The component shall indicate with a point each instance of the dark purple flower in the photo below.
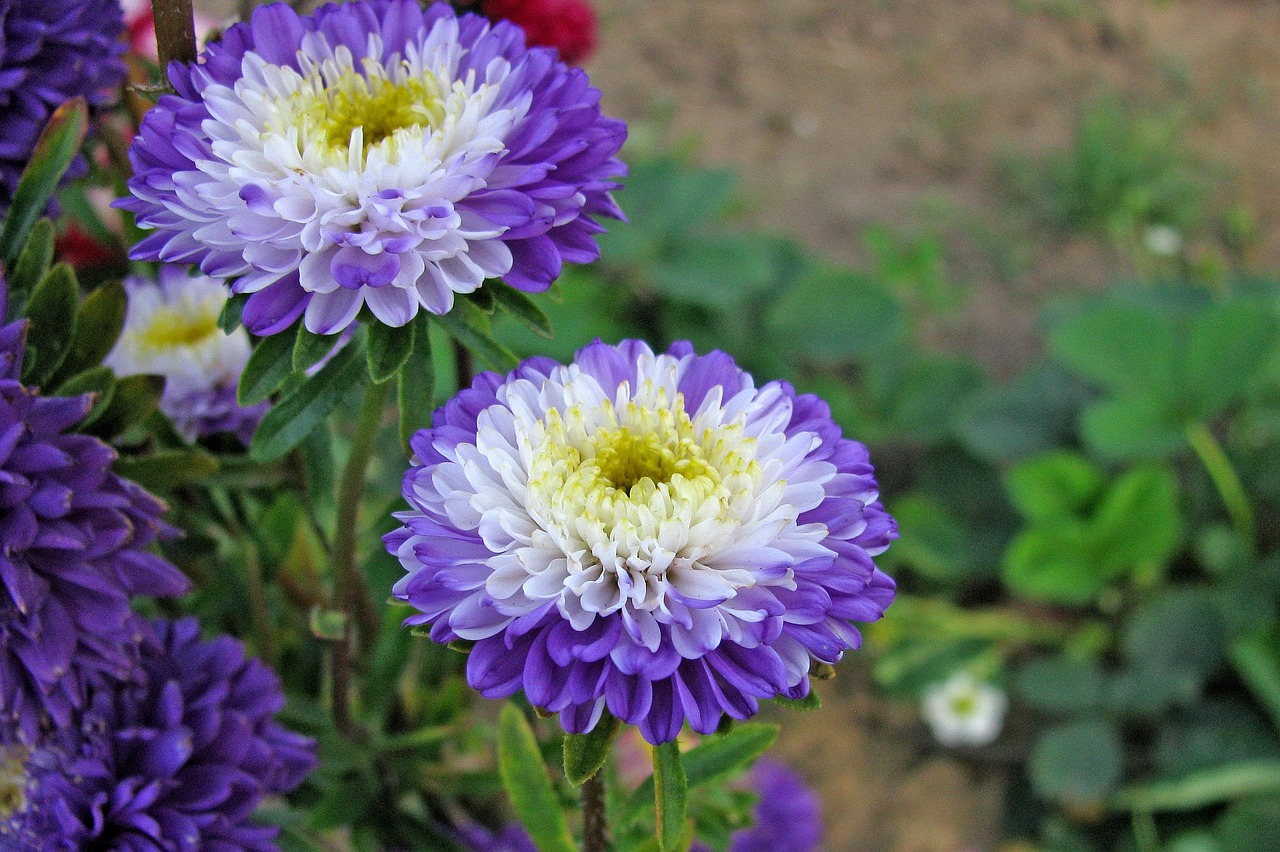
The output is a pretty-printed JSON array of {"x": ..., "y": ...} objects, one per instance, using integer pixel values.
[
  {"x": 51, "y": 51},
  {"x": 373, "y": 154},
  {"x": 510, "y": 838},
  {"x": 176, "y": 759},
  {"x": 74, "y": 547},
  {"x": 788, "y": 817},
  {"x": 648, "y": 533}
]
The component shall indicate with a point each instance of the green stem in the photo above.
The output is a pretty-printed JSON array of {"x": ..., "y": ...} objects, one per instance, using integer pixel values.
[
  {"x": 175, "y": 31},
  {"x": 258, "y": 606},
  {"x": 353, "y": 596},
  {"x": 595, "y": 825},
  {"x": 1224, "y": 479}
]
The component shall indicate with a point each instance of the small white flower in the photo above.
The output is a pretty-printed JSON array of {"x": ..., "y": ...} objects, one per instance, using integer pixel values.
[
  {"x": 962, "y": 711},
  {"x": 1162, "y": 240}
]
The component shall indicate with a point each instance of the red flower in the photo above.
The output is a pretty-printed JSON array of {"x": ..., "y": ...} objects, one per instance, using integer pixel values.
[{"x": 567, "y": 25}]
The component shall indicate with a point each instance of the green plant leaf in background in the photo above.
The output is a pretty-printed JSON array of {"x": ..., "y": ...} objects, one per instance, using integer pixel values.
[
  {"x": 416, "y": 386},
  {"x": 1078, "y": 762},
  {"x": 292, "y": 418},
  {"x": 32, "y": 263},
  {"x": 270, "y": 363},
  {"x": 858, "y": 318},
  {"x": 527, "y": 783},
  {"x": 671, "y": 788},
  {"x": 52, "y": 311},
  {"x": 1055, "y": 485},
  {"x": 97, "y": 326},
  {"x": 389, "y": 349}
]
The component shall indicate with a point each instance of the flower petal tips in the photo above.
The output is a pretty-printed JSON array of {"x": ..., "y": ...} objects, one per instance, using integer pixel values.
[
  {"x": 374, "y": 155},
  {"x": 645, "y": 533}
]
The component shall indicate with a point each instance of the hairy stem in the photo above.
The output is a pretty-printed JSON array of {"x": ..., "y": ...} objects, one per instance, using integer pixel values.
[
  {"x": 1225, "y": 479},
  {"x": 595, "y": 825},
  {"x": 175, "y": 31},
  {"x": 261, "y": 616}
]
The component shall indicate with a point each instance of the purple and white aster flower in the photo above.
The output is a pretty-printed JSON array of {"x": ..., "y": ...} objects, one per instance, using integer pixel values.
[
  {"x": 51, "y": 51},
  {"x": 171, "y": 330},
  {"x": 373, "y": 154},
  {"x": 648, "y": 533},
  {"x": 74, "y": 547},
  {"x": 177, "y": 758}
]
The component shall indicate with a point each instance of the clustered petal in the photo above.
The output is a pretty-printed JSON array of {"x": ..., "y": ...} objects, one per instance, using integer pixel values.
[
  {"x": 171, "y": 330},
  {"x": 50, "y": 52},
  {"x": 373, "y": 155},
  {"x": 176, "y": 758},
  {"x": 74, "y": 548},
  {"x": 647, "y": 533}
]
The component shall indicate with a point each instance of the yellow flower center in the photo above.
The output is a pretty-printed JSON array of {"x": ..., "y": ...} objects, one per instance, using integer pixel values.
[
  {"x": 964, "y": 705},
  {"x": 379, "y": 107},
  {"x": 172, "y": 329}
]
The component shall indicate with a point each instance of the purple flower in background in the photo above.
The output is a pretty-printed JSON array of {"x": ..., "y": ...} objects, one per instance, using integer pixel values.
[
  {"x": 171, "y": 330},
  {"x": 51, "y": 51},
  {"x": 74, "y": 540},
  {"x": 177, "y": 758},
  {"x": 373, "y": 154},
  {"x": 648, "y": 533},
  {"x": 788, "y": 817},
  {"x": 510, "y": 838}
]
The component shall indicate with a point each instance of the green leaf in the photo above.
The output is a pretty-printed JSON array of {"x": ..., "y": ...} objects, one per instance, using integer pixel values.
[
  {"x": 269, "y": 365},
  {"x": 52, "y": 311},
  {"x": 1055, "y": 563},
  {"x": 671, "y": 789},
  {"x": 1060, "y": 684},
  {"x": 230, "y": 317},
  {"x": 54, "y": 150},
  {"x": 836, "y": 315},
  {"x": 585, "y": 754},
  {"x": 1055, "y": 485},
  {"x": 1128, "y": 349},
  {"x": 804, "y": 705},
  {"x": 1199, "y": 789},
  {"x": 389, "y": 349},
  {"x": 97, "y": 380},
  {"x": 521, "y": 307},
  {"x": 166, "y": 469},
  {"x": 1250, "y": 825},
  {"x": 1138, "y": 522},
  {"x": 1131, "y": 428},
  {"x": 1257, "y": 660},
  {"x": 1078, "y": 763},
  {"x": 416, "y": 392},
  {"x": 98, "y": 323},
  {"x": 528, "y": 784},
  {"x": 470, "y": 327},
  {"x": 32, "y": 263},
  {"x": 716, "y": 272},
  {"x": 1228, "y": 345},
  {"x": 934, "y": 541},
  {"x": 309, "y": 348},
  {"x": 292, "y": 418},
  {"x": 135, "y": 399},
  {"x": 1178, "y": 631},
  {"x": 1037, "y": 412}
]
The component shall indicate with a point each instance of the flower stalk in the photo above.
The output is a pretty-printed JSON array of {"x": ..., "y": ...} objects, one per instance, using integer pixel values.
[
  {"x": 1225, "y": 479},
  {"x": 595, "y": 825},
  {"x": 175, "y": 31}
]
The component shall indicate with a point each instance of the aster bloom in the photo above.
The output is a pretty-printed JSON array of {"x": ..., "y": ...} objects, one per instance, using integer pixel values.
[
  {"x": 177, "y": 758},
  {"x": 375, "y": 155},
  {"x": 567, "y": 25},
  {"x": 648, "y": 533},
  {"x": 171, "y": 330},
  {"x": 50, "y": 52},
  {"x": 963, "y": 711},
  {"x": 788, "y": 817},
  {"x": 74, "y": 541}
]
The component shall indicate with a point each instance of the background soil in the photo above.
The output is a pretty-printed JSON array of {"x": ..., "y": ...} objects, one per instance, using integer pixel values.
[{"x": 843, "y": 114}]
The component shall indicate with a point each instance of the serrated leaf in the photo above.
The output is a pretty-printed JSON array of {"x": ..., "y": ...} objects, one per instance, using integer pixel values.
[
  {"x": 52, "y": 311},
  {"x": 166, "y": 469},
  {"x": 1229, "y": 343},
  {"x": 525, "y": 778},
  {"x": 470, "y": 327},
  {"x": 54, "y": 150},
  {"x": 309, "y": 348},
  {"x": 32, "y": 263},
  {"x": 135, "y": 399},
  {"x": 671, "y": 791},
  {"x": 1055, "y": 485},
  {"x": 836, "y": 315},
  {"x": 1077, "y": 763},
  {"x": 98, "y": 323},
  {"x": 268, "y": 366},
  {"x": 389, "y": 349},
  {"x": 292, "y": 418},
  {"x": 416, "y": 391},
  {"x": 521, "y": 307},
  {"x": 585, "y": 754}
]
